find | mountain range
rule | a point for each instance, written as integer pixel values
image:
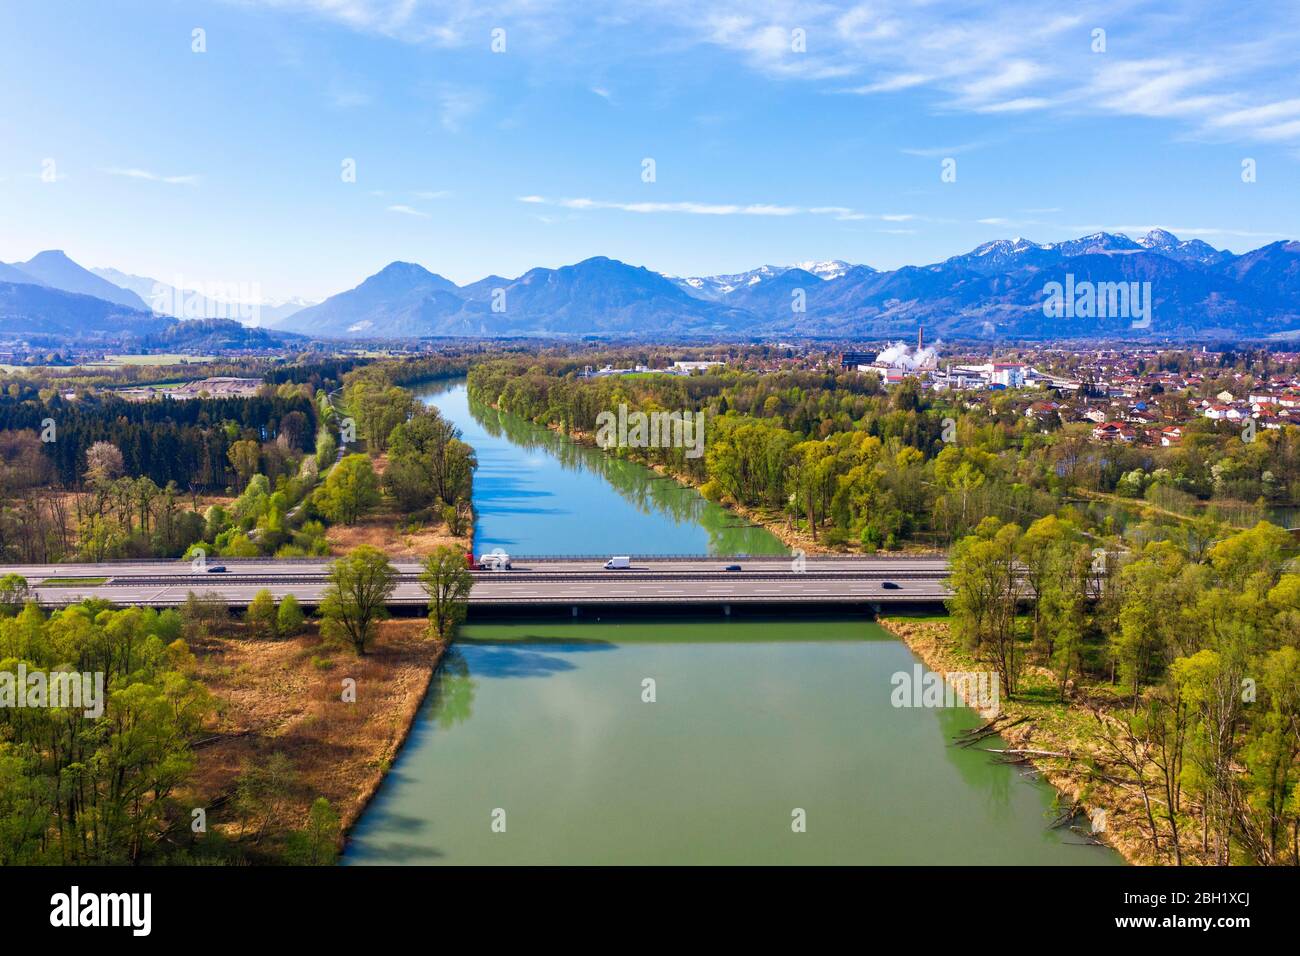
(995, 290)
(51, 297)
(191, 303)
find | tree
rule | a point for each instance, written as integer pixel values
(317, 843)
(204, 615)
(350, 490)
(14, 593)
(327, 449)
(984, 582)
(355, 599)
(98, 791)
(378, 409)
(427, 462)
(264, 789)
(447, 582)
(244, 458)
(290, 618)
(103, 462)
(457, 517)
(1141, 644)
(262, 617)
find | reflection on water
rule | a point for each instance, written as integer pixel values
(452, 694)
(536, 492)
(752, 719)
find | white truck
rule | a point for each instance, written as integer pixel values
(618, 563)
(495, 560)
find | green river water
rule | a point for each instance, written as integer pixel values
(537, 744)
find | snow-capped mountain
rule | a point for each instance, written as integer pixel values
(995, 289)
(1184, 250)
(717, 288)
(828, 268)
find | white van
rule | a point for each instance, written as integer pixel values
(621, 563)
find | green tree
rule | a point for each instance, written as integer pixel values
(984, 581)
(355, 599)
(244, 458)
(289, 619)
(262, 615)
(447, 581)
(350, 490)
(317, 843)
(14, 593)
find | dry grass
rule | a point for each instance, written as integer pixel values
(384, 533)
(286, 696)
(387, 529)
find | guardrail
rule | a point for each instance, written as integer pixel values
(539, 558)
(629, 575)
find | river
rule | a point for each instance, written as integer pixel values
(758, 740)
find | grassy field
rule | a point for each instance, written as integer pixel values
(121, 361)
(72, 582)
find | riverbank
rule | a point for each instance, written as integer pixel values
(776, 523)
(1084, 772)
(287, 697)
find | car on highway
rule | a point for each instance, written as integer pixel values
(732, 567)
(618, 563)
(216, 569)
(890, 585)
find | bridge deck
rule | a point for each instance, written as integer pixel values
(689, 582)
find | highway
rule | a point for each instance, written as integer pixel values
(550, 581)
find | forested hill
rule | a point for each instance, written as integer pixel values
(165, 440)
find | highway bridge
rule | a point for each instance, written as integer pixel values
(531, 582)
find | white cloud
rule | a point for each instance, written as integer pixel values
(843, 213)
(145, 174)
(1222, 71)
(456, 105)
(934, 152)
(891, 84)
(1012, 57)
(408, 211)
(1018, 105)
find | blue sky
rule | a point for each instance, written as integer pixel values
(225, 165)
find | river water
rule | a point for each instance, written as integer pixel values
(681, 740)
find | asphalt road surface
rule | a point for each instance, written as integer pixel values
(828, 580)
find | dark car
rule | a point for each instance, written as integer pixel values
(732, 567)
(889, 585)
(217, 569)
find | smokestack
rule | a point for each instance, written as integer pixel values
(920, 337)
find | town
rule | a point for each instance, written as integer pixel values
(1132, 394)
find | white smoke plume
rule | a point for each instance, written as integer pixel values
(900, 355)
